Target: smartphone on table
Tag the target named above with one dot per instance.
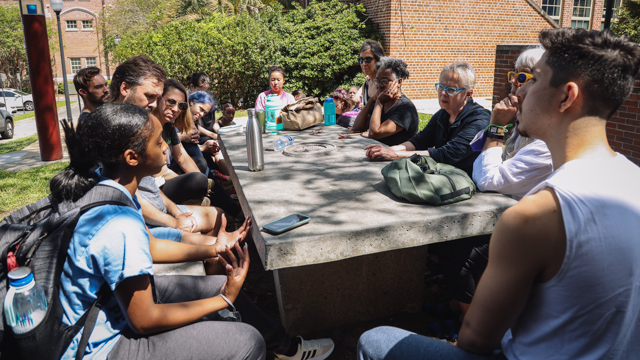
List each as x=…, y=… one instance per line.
x=286, y=223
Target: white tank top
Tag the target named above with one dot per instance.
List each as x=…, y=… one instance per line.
x=591, y=308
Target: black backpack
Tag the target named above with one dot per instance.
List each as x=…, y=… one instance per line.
x=41, y=232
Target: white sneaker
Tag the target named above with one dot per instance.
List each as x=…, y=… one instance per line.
x=319, y=349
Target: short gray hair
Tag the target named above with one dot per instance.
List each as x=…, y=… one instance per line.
x=397, y=66
x=465, y=72
x=530, y=57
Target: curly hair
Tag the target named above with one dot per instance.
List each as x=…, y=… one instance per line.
x=397, y=66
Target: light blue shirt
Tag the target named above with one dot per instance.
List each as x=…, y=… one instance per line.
x=110, y=243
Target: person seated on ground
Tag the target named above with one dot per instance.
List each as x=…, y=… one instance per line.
x=200, y=103
x=525, y=162
x=92, y=87
x=370, y=53
x=390, y=117
x=176, y=317
x=228, y=114
x=344, y=104
x=201, y=82
x=276, y=83
x=448, y=135
x=563, y=276
x=298, y=94
x=353, y=94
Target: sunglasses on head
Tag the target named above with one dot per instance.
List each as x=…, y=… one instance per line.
x=182, y=106
x=367, y=60
x=520, y=77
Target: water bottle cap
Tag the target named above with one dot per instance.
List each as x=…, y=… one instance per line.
x=251, y=112
x=328, y=100
x=20, y=276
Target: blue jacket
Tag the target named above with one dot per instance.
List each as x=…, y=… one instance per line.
x=449, y=143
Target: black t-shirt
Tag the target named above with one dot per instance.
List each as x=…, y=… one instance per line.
x=170, y=135
x=83, y=115
x=208, y=120
x=404, y=114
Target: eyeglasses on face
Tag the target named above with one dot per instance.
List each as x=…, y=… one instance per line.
x=367, y=60
x=520, y=77
x=451, y=91
x=182, y=106
x=383, y=83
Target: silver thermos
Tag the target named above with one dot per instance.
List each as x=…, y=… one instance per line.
x=255, y=151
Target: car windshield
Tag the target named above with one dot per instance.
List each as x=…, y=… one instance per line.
x=20, y=92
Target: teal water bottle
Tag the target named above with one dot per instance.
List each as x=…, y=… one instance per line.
x=329, y=111
x=273, y=107
x=25, y=305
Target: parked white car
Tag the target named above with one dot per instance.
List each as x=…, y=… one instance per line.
x=16, y=98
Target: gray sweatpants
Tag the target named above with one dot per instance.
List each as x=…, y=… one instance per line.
x=209, y=338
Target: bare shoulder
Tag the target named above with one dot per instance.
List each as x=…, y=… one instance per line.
x=534, y=229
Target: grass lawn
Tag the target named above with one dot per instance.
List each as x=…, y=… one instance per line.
x=25, y=187
x=28, y=115
x=18, y=144
x=424, y=120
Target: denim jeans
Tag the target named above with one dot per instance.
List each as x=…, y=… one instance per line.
x=391, y=343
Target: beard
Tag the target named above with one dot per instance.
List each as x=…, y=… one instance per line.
x=96, y=100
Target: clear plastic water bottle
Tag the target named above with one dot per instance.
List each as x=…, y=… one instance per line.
x=329, y=111
x=283, y=142
x=25, y=305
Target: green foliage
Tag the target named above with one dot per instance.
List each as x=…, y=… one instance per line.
x=424, y=120
x=628, y=20
x=230, y=49
x=25, y=187
x=318, y=46
x=13, y=57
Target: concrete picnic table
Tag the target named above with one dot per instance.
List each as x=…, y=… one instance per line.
x=363, y=254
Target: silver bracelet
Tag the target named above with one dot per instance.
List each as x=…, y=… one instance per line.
x=229, y=315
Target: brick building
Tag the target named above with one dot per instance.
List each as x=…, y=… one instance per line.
x=81, y=35
x=429, y=34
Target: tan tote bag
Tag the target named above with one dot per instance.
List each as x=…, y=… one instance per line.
x=302, y=114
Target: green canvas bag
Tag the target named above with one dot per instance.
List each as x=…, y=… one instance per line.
x=420, y=179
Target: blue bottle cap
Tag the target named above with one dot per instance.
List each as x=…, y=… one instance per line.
x=20, y=276
x=328, y=99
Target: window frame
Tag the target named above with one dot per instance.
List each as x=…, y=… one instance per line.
x=588, y=19
x=87, y=28
x=86, y=61
x=71, y=60
x=559, y=6
x=68, y=22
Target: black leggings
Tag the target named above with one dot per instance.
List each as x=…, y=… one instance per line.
x=185, y=187
x=462, y=263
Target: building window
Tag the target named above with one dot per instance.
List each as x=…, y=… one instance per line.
x=90, y=61
x=87, y=24
x=581, y=16
x=72, y=24
x=552, y=8
x=616, y=7
x=76, y=65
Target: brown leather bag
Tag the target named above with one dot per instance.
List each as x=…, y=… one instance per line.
x=302, y=114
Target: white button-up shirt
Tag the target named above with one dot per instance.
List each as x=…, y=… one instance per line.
x=516, y=176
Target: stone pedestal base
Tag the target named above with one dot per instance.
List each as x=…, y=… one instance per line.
x=324, y=296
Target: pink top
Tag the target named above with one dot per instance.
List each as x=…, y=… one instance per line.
x=285, y=98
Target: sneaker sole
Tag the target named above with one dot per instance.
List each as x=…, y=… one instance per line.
x=324, y=356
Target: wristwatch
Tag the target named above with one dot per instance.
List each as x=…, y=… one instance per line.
x=495, y=132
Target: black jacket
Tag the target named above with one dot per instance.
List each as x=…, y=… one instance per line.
x=451, y=141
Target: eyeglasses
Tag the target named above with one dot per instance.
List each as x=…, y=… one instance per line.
x=520, y=77
x=383, y=83
x=182, y=106
x=367, y=60
x=451, y=91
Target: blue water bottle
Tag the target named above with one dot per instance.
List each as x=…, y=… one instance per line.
x=329, y=112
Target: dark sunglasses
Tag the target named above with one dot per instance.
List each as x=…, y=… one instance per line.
x=367, y=60
x=182, y=106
